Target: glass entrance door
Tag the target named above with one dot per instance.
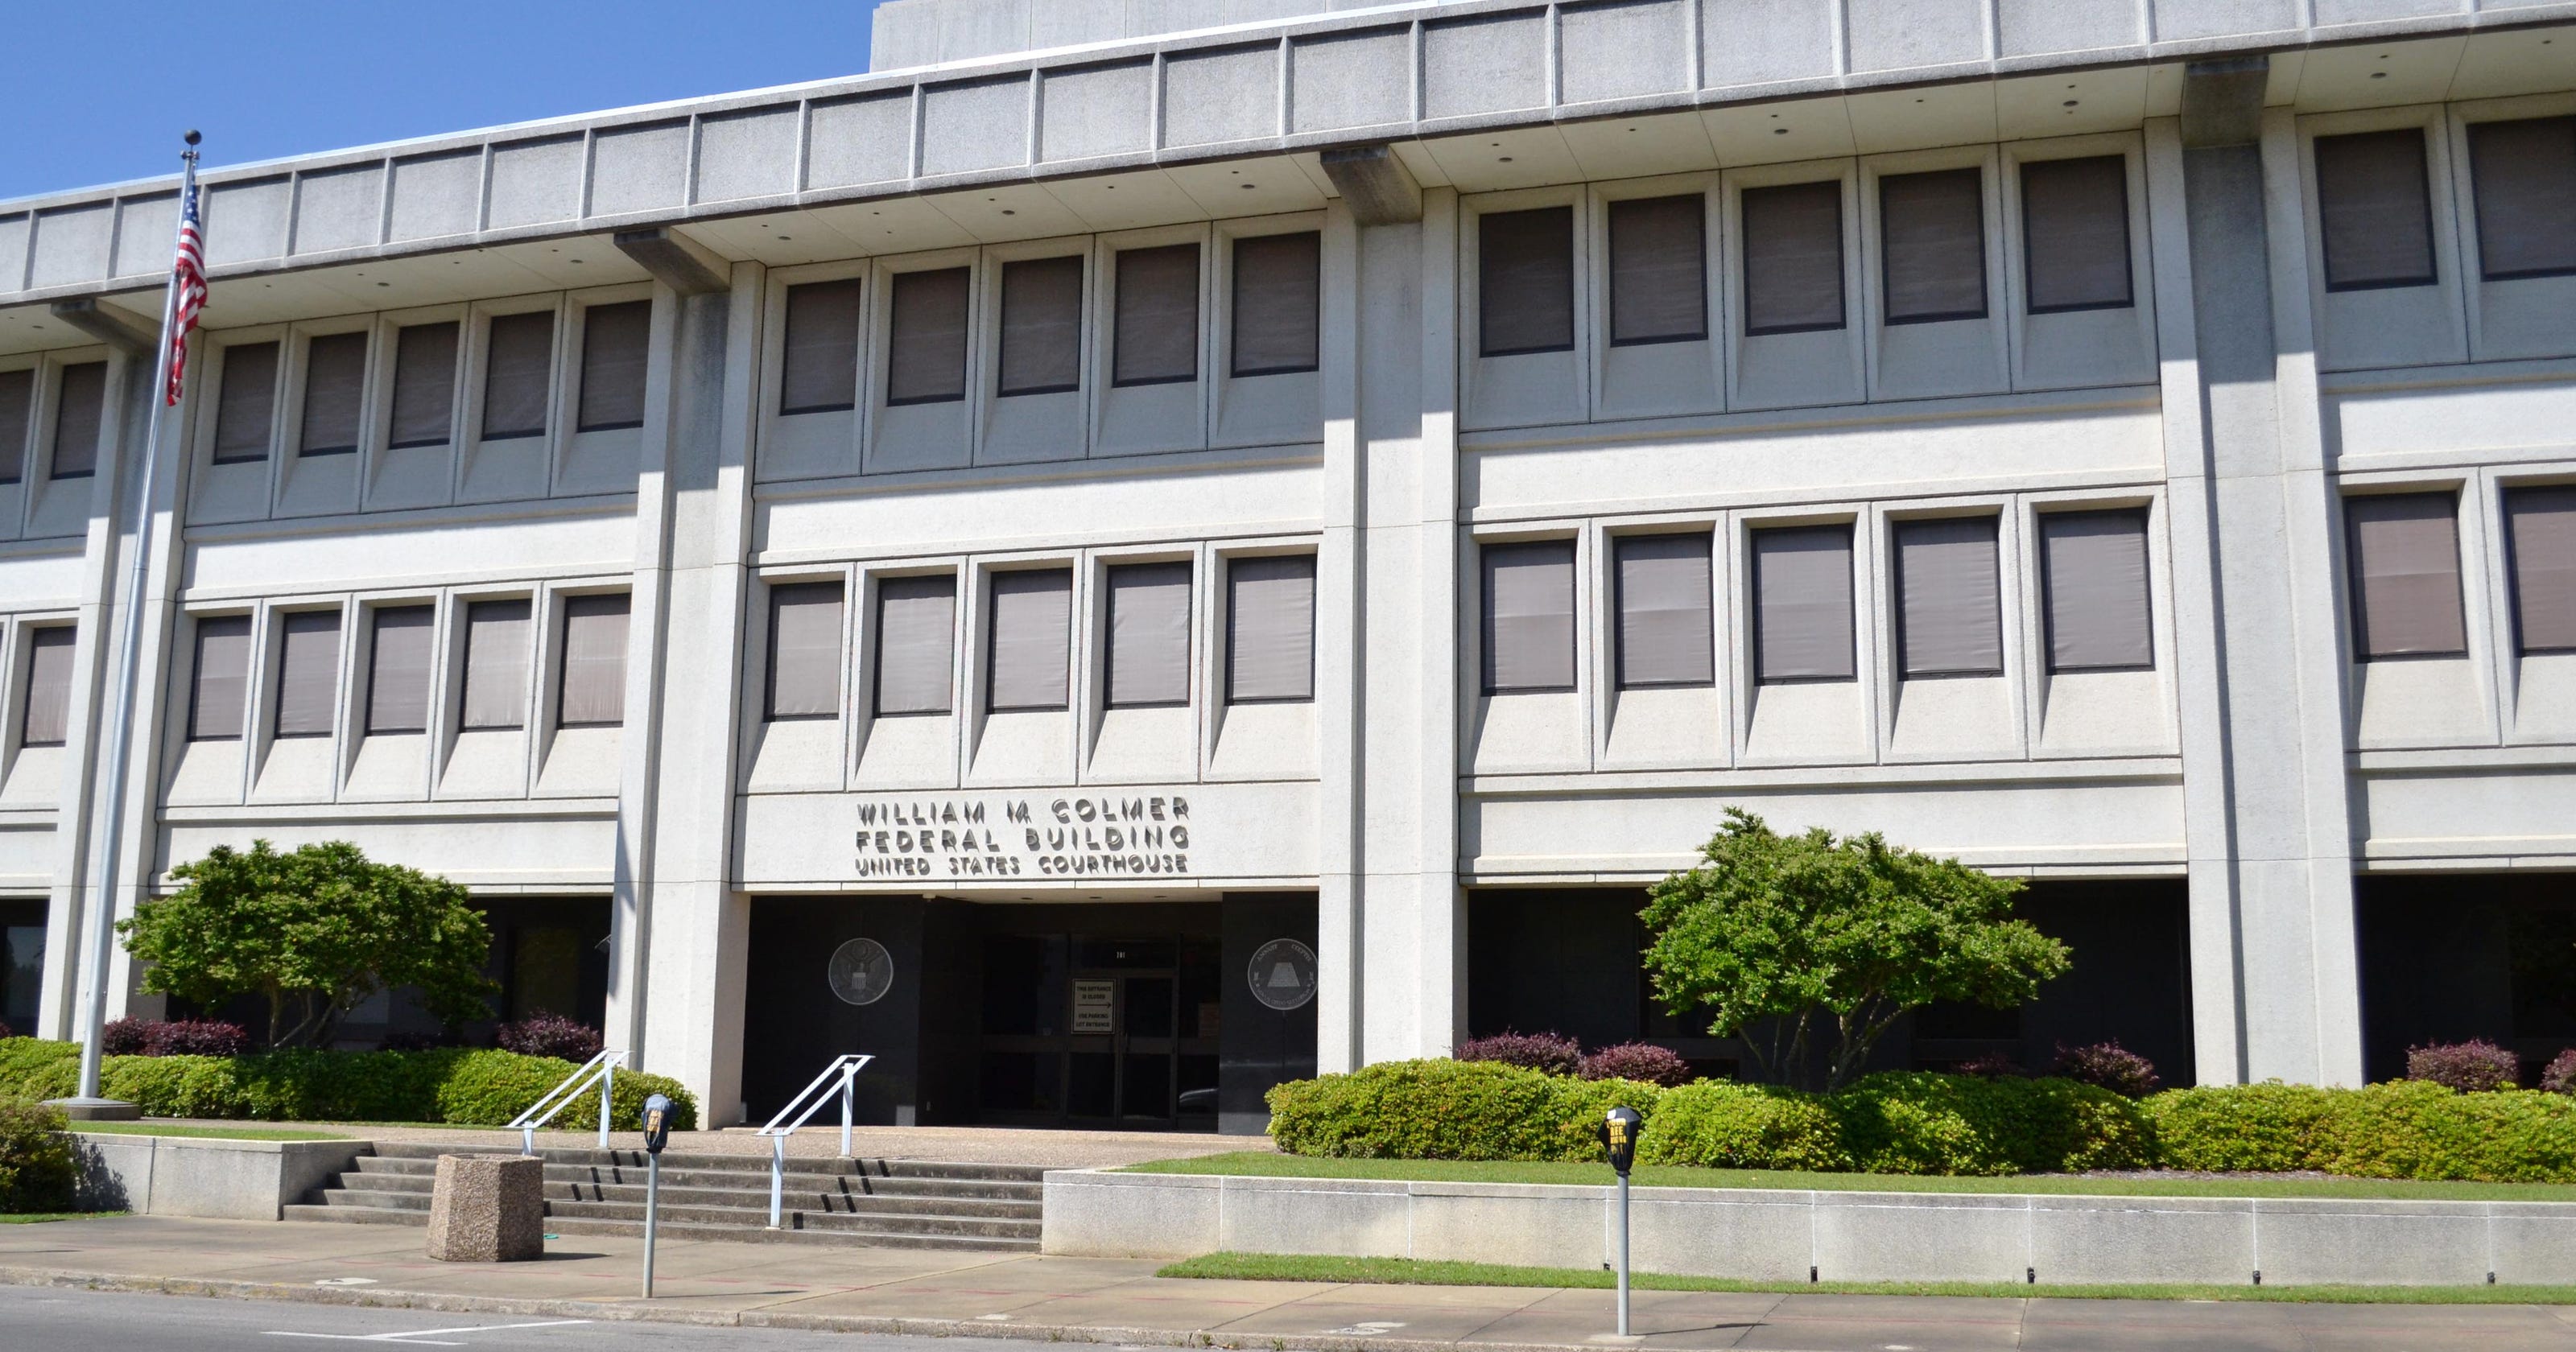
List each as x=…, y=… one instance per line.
x=1100, y=1031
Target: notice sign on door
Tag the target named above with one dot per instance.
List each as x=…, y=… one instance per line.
x=1092, y=1003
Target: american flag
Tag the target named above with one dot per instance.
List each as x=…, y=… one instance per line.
x=189, y=278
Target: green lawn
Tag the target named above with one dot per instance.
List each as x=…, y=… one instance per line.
x=35, y=1217
x=1266, y=1164
x=208, y=1133
x=1412, y=1272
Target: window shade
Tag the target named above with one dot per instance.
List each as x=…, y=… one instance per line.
x=1932, y=242
x=335, y=394
x=916, y=640
x=1950, y=601
x=80, y=412
x=1802, y=604
x=1664, y=611
x=221, y=678
x=2406, y=575
x=2525, y=176
x=2374, y=210
x=804, y=650
x=1529, y=616
x=593, y=692
x=2095, y=565
x=819, y=369
x=1270, y=629
x=424, y=385
x=614, y=343
x=1149, y=634
x=2075, y=234
x=2542, y=526
x=1658, y=270
x=1278, y=292
x=242, y=407
x=398, y=672
x=516, y=375
x=1793, y=257
x=44, y=718
x=1525, y=282
x=496, y=665
x=1158, y=316
x=17, y=402
x=926, y=357
x=1041, y=326
x=308, y=673
x=1031, y=639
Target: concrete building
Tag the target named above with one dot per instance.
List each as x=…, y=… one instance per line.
x=1109, y=565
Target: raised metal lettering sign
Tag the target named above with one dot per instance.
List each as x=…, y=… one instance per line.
x=861, y=972
x=1282, y=974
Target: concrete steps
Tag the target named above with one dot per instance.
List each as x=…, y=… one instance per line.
x=834, y=1200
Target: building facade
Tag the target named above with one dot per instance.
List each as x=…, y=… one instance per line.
x=1108, y=566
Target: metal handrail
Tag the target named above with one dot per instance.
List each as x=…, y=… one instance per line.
x=847, y=1067
x=560, y=1097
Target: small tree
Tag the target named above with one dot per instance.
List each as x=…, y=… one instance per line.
x=1788, y=928
x=315, y=932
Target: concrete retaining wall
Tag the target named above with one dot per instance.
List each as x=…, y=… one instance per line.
x=1840, y=1236
x=194, y=1176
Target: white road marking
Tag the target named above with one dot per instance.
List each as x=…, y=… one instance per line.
x=422, y=1337
x=1368, y=1328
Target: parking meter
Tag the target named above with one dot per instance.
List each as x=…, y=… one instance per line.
x=657, y=1123
x=657, y=1133
x=1618, y=1131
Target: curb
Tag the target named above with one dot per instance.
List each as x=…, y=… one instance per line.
x=394, y=1299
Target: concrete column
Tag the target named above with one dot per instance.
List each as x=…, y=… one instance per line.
x=1340, y=565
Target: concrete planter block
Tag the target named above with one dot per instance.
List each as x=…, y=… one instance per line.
x=488, y=1209
x=206, y=1177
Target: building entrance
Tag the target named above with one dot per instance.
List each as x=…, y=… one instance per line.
x=1096, y=1030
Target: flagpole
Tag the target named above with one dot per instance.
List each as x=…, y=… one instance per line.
x=120, y=718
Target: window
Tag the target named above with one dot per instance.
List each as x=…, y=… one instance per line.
x=242, y=407
x=819, y=368
x=1793, y=258
x=77, y=423
x=1664, y=612
x=1270, y=630
x=424, y=386
x=916, y=638
x=2374, y=210
x=1658, y=270
x=2541, y=526
x=1949, y=617
x=517, y=375
x=1149, y=635
x=593, y=693
x=44, y=719
x=926, y=356
x=2094, y=566
x=1041, y=326
x=2075, y=234
x=335, y=394
x=1278, y=290
x=308, y=673
x=2405, y=575
x=1932, y=245
x=615, y=340
x=17, y=403
x=1031, y=637
x=1158, y=316
x=2525, y=177
x=398, y=672
x=804, y=650
x=496, y=666
x=1525, y=290
x=1802, y=604
x=1529, y=616
x=222, y=676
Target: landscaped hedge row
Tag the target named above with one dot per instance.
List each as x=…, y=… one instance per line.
x=1921, y=1123
x=468, y=1088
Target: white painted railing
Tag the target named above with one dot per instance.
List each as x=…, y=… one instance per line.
x=602, y=1067
x=798, y=1111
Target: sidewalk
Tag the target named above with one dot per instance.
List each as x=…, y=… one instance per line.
x=1121, y=1301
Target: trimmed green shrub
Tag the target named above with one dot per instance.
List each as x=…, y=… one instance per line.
x=33, y=1068
x=1918, y=1122
x=36, y=1167
x=2401, y=1129
x=1450, y=1110
x=1719, y=1124
x=489, y=1088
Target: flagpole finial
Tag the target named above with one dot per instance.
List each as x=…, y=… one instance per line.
x=192, y=137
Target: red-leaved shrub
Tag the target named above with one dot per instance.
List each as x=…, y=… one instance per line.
x=2560, y=1077
x=2470, y=1067
x=125, y=1037
x=1551, y=1052
x=2108, y=1065
x=4, y=1029
x=1638, y=1061
x=544, y=1034
x=1992, y=1066
x=173, y=1037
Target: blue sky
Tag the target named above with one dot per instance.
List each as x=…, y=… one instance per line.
x=98, y=91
